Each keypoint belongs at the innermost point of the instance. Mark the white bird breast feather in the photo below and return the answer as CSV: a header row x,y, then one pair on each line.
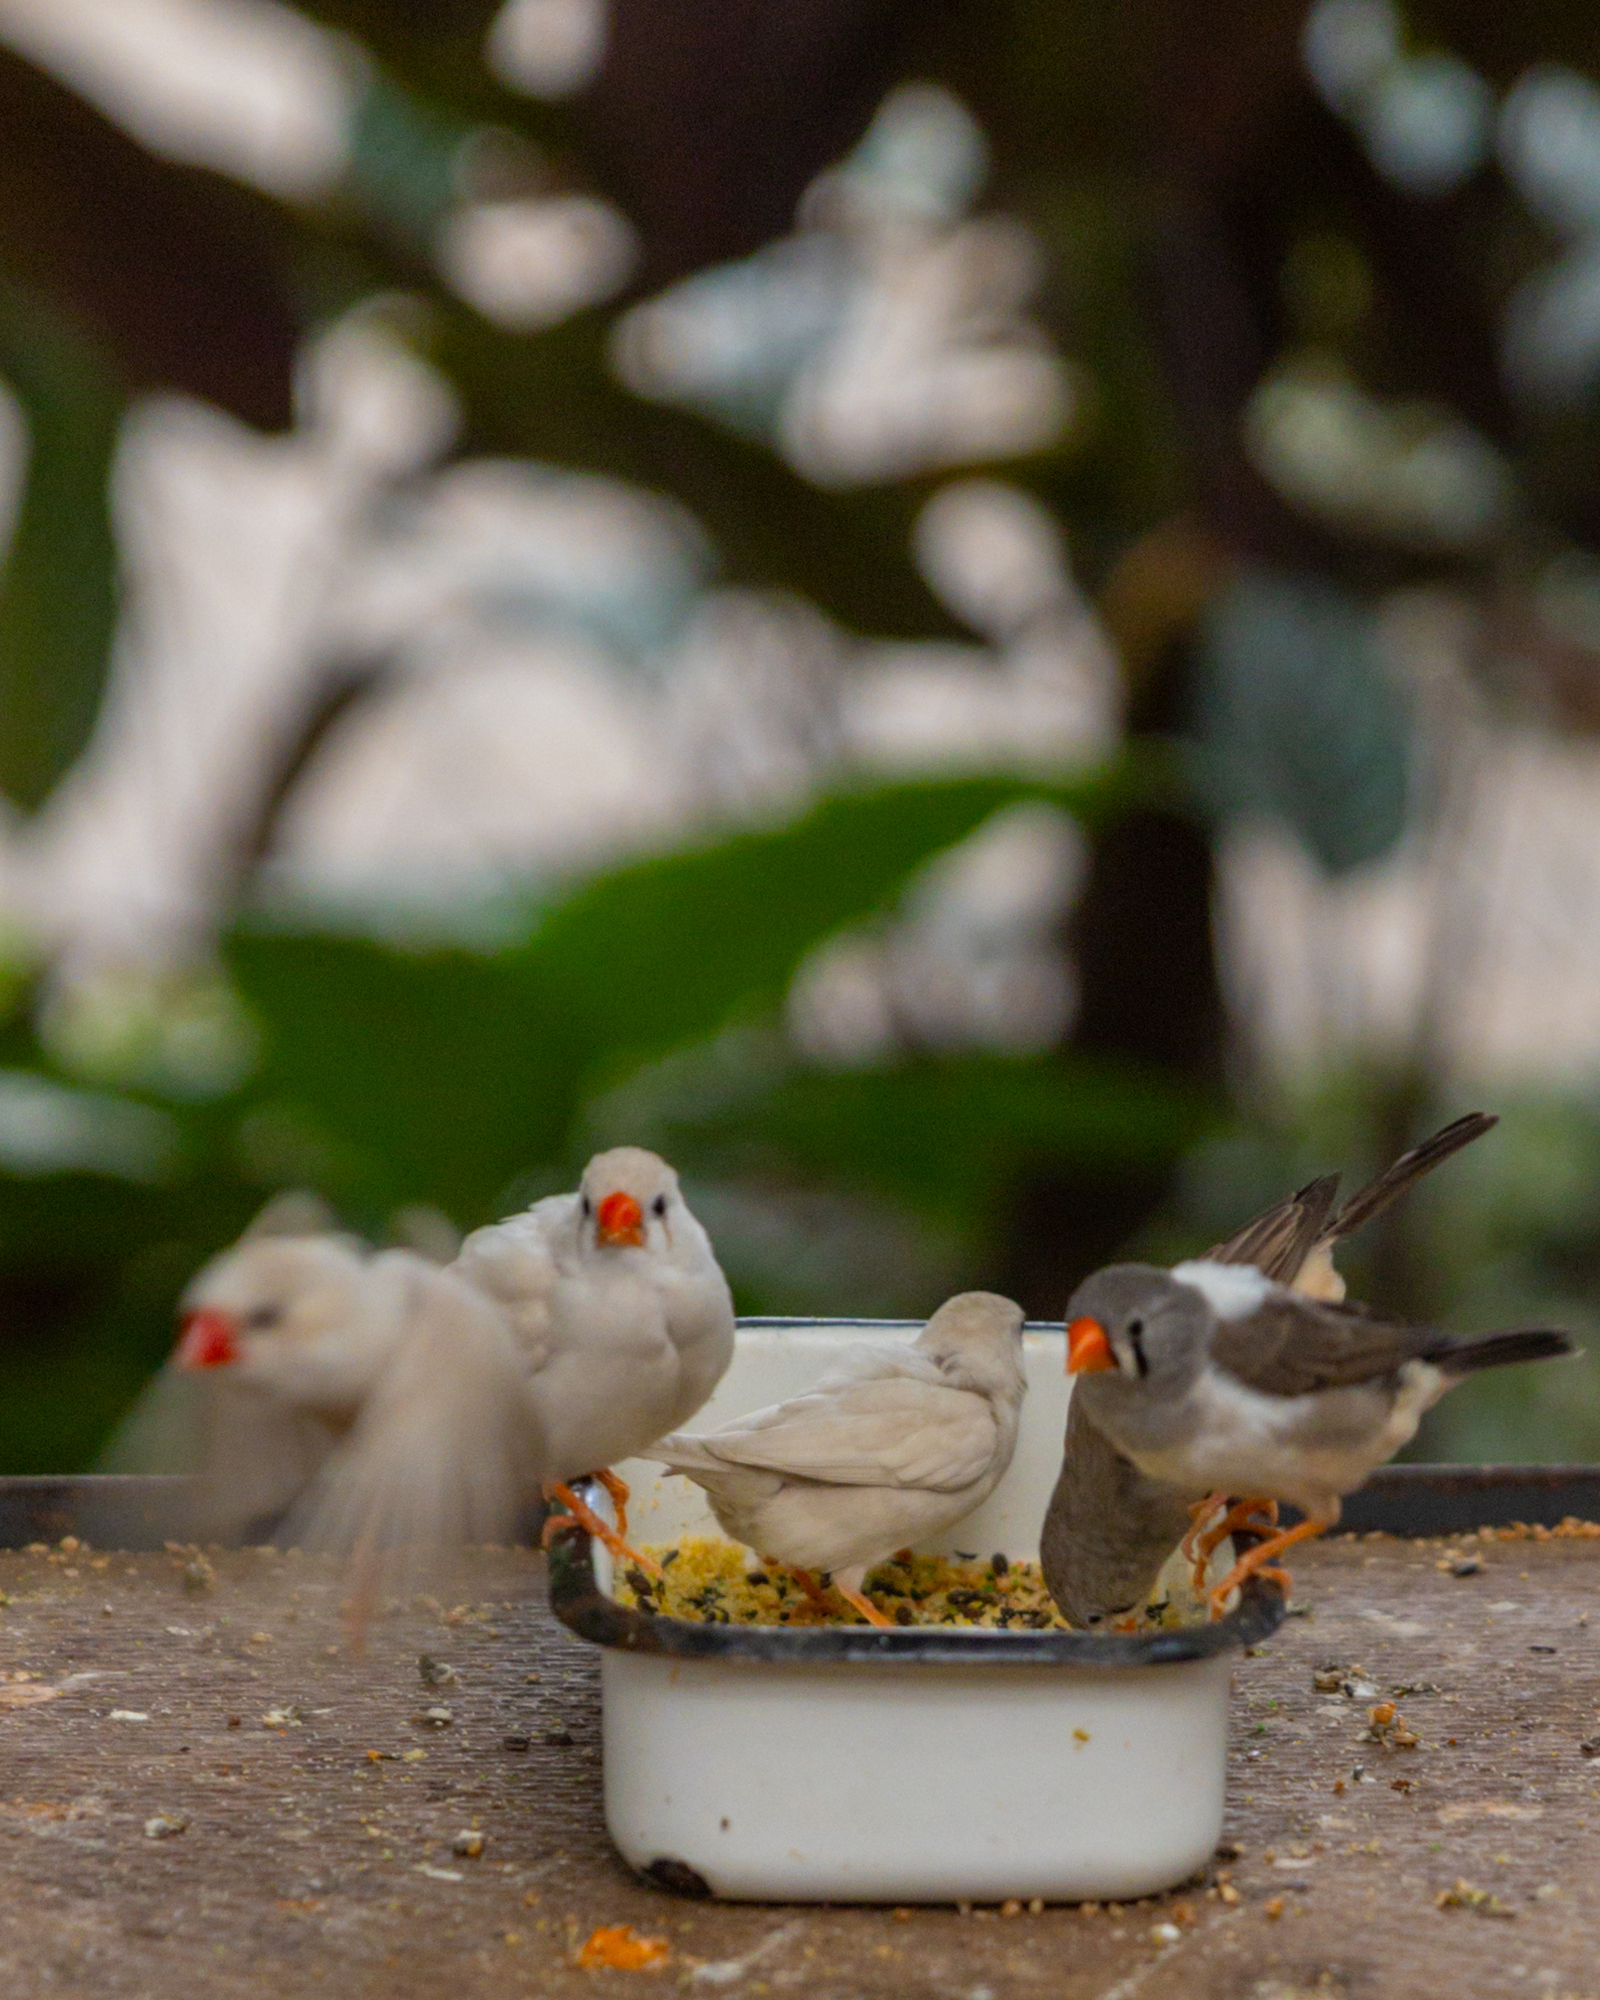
x,y
1240,1440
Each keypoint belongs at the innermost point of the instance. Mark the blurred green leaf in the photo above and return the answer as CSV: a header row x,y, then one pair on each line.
x,y
391,1076
665,951
950,1137
58,595
443,1075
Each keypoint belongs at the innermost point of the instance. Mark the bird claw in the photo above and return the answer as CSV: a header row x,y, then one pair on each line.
x,y
1199,1513
602,1531
620,1493
1254,1511
818,1596
1259,1562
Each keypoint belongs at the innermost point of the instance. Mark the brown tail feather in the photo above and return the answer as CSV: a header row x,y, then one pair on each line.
x,y
1499,1350
1407,1170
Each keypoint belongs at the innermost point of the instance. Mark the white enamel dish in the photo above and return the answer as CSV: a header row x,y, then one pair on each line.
x,y
918,1764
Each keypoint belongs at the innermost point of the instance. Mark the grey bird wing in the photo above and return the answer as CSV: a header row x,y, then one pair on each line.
x,y
1294,1346
1278,1240
901,1431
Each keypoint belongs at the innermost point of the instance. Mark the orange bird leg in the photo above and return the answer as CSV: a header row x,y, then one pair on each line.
x,y
588,1519
1257,1561
864,1605
1254,1511
1199,1514
618,1489
814,1591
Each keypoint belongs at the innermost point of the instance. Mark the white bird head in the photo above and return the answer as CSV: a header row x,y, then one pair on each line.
x,y
976,1338
288,1314
629,1199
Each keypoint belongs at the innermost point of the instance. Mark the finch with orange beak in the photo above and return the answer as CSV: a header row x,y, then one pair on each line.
x,y
1110,1528
613,1323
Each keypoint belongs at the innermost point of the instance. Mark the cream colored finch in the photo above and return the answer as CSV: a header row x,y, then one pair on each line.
x,y
592,1323
895,1443
284,1336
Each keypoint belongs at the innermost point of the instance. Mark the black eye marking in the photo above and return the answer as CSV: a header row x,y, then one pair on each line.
x,y
586,1206
1136,1342
263,1317
659,1205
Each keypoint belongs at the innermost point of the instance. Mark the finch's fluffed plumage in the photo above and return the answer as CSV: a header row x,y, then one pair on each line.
x,y
895,1443
284,1337
562,1340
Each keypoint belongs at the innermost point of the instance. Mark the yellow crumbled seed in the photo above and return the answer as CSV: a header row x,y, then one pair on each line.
x,y
718,1582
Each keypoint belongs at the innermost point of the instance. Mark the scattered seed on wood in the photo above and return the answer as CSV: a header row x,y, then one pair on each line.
x,y
164,1826
468,1843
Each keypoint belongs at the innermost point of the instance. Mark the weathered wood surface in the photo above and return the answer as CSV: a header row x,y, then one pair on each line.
x,y
309,1865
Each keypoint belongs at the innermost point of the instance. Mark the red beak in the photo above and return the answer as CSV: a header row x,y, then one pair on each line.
x,y
620,1219
1088,1350
210,1340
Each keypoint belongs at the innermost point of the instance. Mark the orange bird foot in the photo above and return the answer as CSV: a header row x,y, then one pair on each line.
x,y
1254,1511
591,1522
1259,1562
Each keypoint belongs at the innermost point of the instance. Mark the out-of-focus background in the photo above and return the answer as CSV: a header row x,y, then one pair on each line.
x,y
982,621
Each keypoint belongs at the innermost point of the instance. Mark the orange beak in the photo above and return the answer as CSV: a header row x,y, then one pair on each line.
x,y
619,1219
1088,1350
210,1340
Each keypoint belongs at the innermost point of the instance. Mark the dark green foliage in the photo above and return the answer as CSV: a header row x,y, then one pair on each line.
x,y
948,1139
393,1076
58,583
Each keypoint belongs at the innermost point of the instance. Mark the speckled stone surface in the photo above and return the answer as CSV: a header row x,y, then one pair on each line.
x,y
318,1828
